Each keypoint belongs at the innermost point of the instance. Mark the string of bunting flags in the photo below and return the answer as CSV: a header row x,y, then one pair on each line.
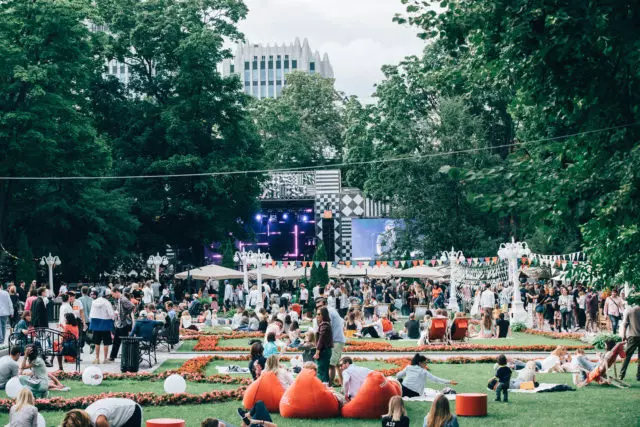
x,y
485,261
563,261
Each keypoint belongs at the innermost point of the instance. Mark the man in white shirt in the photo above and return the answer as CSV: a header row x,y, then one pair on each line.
x,y
254,297
6,311
228,295
487,299
114,412
304,295
316,291
352,377
65,308
147,294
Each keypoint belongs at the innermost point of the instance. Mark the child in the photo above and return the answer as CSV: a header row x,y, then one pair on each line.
x,y
270,347
503,375
207,316
397,415
294,335
557,320
309,347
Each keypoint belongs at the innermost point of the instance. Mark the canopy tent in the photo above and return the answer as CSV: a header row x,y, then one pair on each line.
x,y
286,273
536,273
376,272
333,272
423,272
214,271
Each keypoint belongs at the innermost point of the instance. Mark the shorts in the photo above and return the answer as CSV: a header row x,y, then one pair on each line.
x,y
102,337
336,354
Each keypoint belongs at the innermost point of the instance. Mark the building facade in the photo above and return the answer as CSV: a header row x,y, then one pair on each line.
x,y
263,69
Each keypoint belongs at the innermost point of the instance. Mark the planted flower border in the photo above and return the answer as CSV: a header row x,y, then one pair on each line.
x,y
556,335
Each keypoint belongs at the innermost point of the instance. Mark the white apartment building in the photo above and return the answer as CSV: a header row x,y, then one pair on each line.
x,y
263,69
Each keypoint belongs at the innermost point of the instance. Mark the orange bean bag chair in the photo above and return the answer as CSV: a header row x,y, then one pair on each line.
x,y
372,400
308,398
266,388
387,326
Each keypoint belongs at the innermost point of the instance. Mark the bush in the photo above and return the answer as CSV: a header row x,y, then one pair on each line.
x,y
518,327
599,341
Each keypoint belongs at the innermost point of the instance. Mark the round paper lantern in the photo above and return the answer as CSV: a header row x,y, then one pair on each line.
x,y
13,387
175,384
41,421
92,376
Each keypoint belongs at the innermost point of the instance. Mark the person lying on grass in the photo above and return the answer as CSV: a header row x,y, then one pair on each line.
x,y
414,377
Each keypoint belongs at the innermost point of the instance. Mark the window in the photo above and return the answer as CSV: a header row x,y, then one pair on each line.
x,y
247,83
263,91
271,64
270,57
263,72
279,82
278,64
270,82
255,65
121,69
286,57
263,82
114,69
247,75
232,68
294,64
312,67
286,64
246,65
270,74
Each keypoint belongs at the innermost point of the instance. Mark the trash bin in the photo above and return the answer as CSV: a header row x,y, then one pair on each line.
x,y
130,357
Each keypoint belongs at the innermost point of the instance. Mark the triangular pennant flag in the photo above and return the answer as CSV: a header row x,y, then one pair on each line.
x,y
487,259
469,261
279,263
297,263
396,263
421,262
403,263
385,263
348,263
316,263
286,263
273,263
433,262
439,262
377,263
414,262
359,264
495,259
323,264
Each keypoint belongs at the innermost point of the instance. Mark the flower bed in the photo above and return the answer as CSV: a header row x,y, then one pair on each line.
x,y
556,335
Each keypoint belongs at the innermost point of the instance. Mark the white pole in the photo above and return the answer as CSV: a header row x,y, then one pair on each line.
x,y
50,264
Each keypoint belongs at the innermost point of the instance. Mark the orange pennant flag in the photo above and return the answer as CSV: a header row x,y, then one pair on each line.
x,y
421,262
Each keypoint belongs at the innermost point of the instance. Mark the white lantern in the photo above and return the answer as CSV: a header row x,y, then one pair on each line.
x,y
92,376
175,384
41,421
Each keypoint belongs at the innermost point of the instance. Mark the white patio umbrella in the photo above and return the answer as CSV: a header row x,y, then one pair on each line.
x,y
286,273
375,272
333,272
215,271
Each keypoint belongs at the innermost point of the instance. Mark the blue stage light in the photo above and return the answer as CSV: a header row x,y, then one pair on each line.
x,y
259,217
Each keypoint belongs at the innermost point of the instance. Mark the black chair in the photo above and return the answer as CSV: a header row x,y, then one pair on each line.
x,y
20,340
148,348
52,343
169,336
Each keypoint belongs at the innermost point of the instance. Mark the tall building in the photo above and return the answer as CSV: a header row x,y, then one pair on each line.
x,y
264,69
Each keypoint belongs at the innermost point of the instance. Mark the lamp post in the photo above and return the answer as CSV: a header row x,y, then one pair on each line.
x,y
454,257
511,252
156,261
253,258
50,261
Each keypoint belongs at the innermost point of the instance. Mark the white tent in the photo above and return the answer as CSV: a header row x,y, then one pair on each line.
x,y
333,272
423,272
215,271
375,272
286,273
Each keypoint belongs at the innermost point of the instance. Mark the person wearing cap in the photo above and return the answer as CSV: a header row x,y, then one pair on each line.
x,y
143,327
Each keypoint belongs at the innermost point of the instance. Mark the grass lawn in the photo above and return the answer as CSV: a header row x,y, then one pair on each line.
x,y
518,339
590,406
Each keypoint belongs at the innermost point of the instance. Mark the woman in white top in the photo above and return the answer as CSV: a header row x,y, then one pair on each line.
x,y
284,376
109,412
553,362
565,303
525,375
416,376
24,413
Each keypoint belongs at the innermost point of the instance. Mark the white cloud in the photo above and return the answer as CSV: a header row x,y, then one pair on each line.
x,y
358,35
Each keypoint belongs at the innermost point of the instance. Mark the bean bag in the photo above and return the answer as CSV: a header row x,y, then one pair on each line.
x,y
308,398
266,388
372,400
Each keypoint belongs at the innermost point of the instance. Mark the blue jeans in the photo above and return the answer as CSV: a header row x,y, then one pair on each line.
x,y
614,323
3,327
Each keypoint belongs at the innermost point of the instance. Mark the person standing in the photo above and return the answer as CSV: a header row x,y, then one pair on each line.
x,y
123,320
22,291
591,302
304,296
487,300
39,314
324,344
227,299
101,320
86,302
631,322
147,294
6,311
613,308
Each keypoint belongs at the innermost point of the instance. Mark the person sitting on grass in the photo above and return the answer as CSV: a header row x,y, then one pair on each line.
x,y
440,414
257,362
270,347
528,374
502,327
503,376
397,415
186,323
308,347
554,362
283,375
352,377
415,377
412,327
24,412
38,380
9,366
257,416
581,366
374,329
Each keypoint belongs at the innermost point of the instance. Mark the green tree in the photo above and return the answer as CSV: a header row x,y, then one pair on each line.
x,y
48,62
358,142
303,126
319,274
178,115
227,255
573,69
26,267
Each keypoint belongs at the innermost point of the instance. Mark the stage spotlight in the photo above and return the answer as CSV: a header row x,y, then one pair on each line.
x,y
305,218
285,216
259,217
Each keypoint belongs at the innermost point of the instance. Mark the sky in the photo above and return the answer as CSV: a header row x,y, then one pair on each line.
x,y
358,35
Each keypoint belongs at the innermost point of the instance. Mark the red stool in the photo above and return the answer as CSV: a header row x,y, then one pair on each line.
x,y
166,422
471,405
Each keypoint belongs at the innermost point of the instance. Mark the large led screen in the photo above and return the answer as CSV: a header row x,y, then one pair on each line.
x,y
371,238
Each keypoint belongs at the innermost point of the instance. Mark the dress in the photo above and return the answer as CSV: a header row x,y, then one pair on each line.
x,y
38,382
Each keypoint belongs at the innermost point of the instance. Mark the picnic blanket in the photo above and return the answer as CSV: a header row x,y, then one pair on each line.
x,y
232,369
429,395
545,388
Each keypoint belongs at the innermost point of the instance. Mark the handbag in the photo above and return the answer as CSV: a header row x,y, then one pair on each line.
x,y
493,384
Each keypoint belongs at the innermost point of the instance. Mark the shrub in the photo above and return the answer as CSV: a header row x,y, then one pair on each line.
x,y
518,327
599,340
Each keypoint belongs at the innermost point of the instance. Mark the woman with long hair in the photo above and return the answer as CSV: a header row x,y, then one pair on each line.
x,y
24,413
257,362
487,326
397,415
284,376
415,377
440,414
324,344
